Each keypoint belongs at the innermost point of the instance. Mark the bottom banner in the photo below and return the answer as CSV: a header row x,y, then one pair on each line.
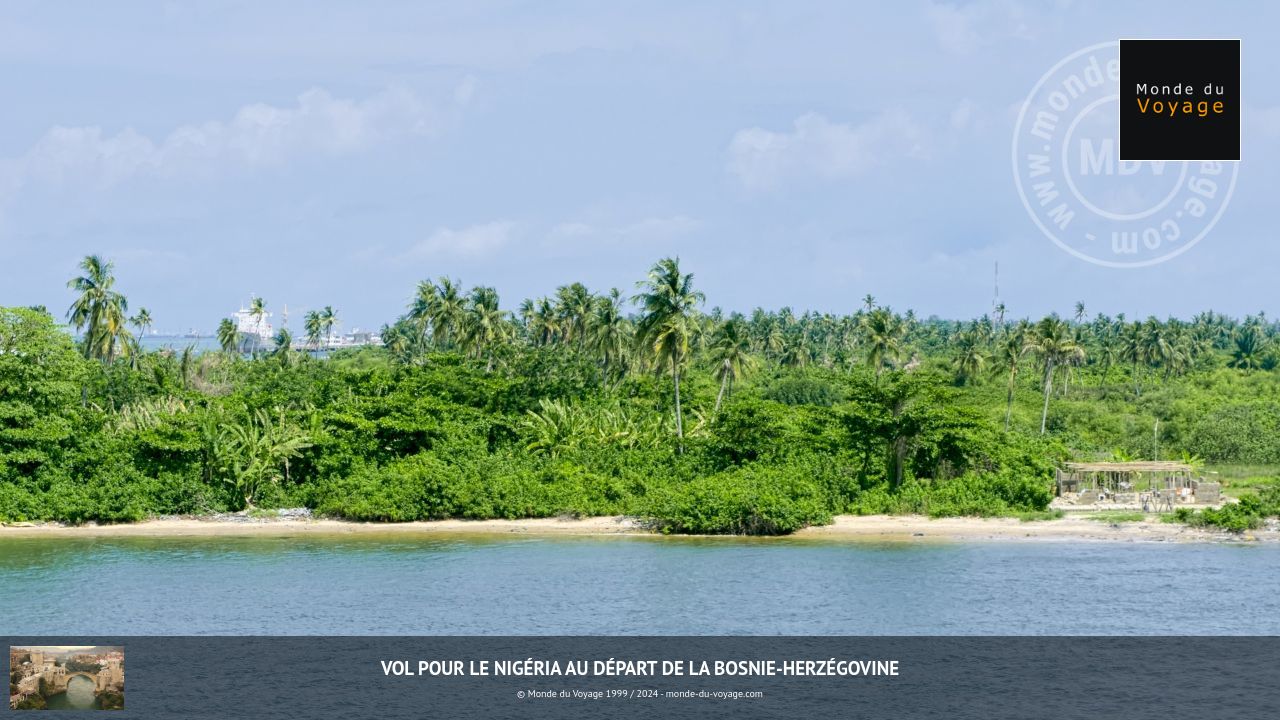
x,y
643,677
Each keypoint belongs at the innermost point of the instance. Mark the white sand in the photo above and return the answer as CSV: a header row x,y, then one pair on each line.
x,y
910,528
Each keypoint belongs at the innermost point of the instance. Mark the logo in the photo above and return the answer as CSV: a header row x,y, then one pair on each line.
x,y
1082,196
1180,100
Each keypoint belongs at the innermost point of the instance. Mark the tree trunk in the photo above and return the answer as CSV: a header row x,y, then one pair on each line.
x,y
724,382
1008,412
675,374
1048,390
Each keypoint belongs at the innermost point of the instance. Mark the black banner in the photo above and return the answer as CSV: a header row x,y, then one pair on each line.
x,y
694,677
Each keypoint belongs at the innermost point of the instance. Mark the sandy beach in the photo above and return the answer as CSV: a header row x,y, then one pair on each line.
x,y
871,528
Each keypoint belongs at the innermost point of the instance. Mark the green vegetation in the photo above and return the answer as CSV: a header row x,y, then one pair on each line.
x,y
1117,516
589,403
1248,514
108,700
35,701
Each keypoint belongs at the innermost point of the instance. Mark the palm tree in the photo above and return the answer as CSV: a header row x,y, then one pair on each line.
x,y
574,304
608,330
1134,349
1080,311
313,325
99,310
328,319
283,350
1251,348
1052,341
730,353
541,322
970,360
228,336
142,321
883,333
448,313
1011,350
668,304
484,324
422,309
258,311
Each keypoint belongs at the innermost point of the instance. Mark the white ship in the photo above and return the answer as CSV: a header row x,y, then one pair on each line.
x,y
257,332
254,328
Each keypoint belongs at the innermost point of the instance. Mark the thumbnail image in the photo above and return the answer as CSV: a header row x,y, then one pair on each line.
x,y
66,677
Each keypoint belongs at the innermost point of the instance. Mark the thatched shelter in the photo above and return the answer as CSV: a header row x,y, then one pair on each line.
x,y
1113,478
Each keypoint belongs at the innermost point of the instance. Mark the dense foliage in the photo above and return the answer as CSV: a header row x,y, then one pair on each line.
x,y
698,421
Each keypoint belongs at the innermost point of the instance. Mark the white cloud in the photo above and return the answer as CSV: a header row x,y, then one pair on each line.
x,y
817,147
257,135
962,28
647,229
954,27
476,241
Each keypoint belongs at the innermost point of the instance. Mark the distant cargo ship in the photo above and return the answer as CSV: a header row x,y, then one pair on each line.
x,y
256,331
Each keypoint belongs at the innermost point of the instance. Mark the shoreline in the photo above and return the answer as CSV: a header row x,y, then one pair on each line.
x,y
850,528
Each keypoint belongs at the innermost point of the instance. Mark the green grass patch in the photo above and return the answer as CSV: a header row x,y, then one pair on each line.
x,y
1117,516
1038,515
1243,479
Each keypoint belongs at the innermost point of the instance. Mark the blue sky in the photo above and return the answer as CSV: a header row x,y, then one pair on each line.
x,y
800,154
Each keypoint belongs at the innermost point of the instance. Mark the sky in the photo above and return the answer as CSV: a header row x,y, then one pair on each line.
x,y
790,154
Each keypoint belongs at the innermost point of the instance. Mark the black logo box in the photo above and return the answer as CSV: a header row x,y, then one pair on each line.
x,y
1186,67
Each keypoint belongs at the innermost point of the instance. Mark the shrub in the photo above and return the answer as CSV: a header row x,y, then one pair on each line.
x,y
976,494
743,501
1248,514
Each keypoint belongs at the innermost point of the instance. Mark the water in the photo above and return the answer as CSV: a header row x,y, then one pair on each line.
x,y
178,344
628,585
79,695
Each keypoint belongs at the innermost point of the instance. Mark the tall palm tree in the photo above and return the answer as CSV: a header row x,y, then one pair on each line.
x,y
448,313
543,326
228,336
99,310
1011,350
485,324
142,321
1134,349
608,331
970,358
313,325
574,305
422,309
731,355
1052,341
883,334
668,304
258,310
328,319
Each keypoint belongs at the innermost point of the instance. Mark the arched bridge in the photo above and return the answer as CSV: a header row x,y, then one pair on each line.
x,y
99,679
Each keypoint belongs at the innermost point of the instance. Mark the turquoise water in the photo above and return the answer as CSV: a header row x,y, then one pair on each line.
x,y
627,585
79,695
